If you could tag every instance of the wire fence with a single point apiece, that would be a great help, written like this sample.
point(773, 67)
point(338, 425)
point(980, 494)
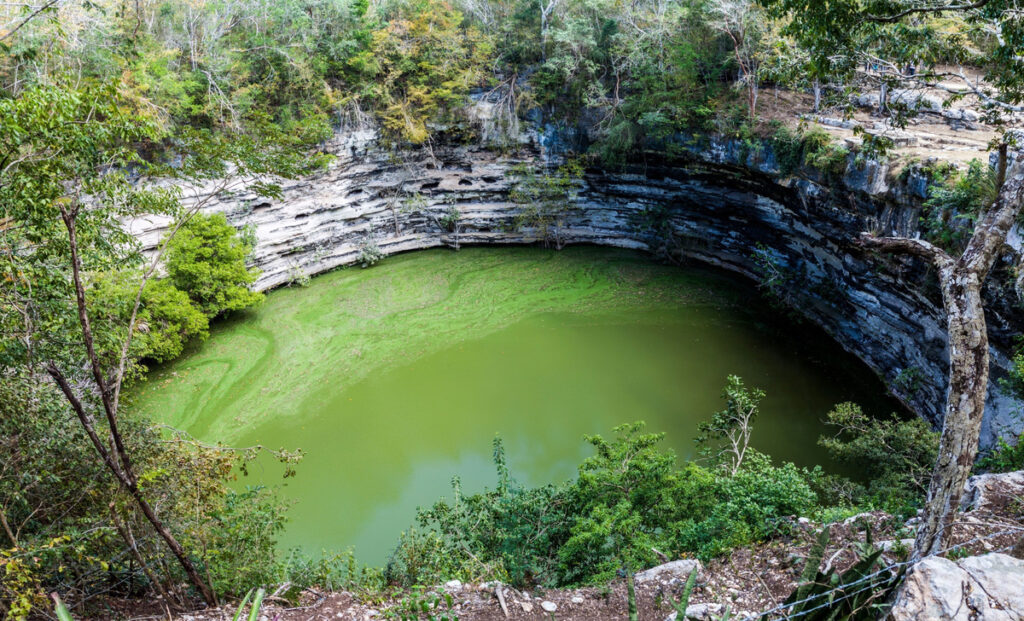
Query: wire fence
point(780, 611)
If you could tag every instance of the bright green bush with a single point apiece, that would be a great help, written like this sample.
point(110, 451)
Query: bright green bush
point(206, 260)
point(170, 319)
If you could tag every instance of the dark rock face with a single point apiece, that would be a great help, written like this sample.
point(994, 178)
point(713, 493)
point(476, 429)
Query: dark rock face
point(715, 205)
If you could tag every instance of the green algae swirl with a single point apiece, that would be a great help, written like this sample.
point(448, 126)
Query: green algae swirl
point(395, 378)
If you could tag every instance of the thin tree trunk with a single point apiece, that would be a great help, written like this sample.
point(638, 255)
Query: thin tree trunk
point(119, 462)
point(132, 488)
point(965, 407)
point(7, 527)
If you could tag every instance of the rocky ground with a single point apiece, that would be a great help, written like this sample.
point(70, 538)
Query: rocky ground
point(981, 578)
point(955, 132)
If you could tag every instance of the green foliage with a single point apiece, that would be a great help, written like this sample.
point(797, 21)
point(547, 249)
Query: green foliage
point(73, 169)
point(896, 456)
point(424, 557)
point(781, 283)
point(418, 68)
point(338, 571)
point(546, 199)
point(725, 437)
point(908, 381)
point(1005, 457)
point(170, 319)
point(370, 254)
point(1014, 382)
point(419, 604)
point(628, 499)
point(908, 33)
point(241, 540)
point(814, 148)
point(954, 202)
point(206, 260)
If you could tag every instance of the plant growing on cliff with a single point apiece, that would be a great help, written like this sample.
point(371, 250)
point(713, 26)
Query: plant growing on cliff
point(370, 253)
point(1006, 456)
point(546, 199)
point(954, 202)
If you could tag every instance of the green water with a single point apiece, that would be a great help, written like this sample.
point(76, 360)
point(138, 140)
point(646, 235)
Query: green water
point(395, 378)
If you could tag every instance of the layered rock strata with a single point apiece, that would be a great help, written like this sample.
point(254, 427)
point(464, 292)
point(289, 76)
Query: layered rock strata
point(717, 204)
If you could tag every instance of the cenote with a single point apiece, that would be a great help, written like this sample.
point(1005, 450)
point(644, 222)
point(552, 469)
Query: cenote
point(396, 378)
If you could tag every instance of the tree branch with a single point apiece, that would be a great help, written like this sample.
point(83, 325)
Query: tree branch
point(889, 19)
point(906, 245)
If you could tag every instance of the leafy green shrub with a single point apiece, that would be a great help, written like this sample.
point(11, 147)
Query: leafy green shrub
point(338, 571)
point(628, 500)
point(370, 254)
point(896, 456)
point(813, 147)
point(955, 200)
point(424, 558)
point(206, 260)
point(241, 541)
point(170, 319)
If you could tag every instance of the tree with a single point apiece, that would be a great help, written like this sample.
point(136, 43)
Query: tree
point(206, 259)
point(733, 425)
point(70, 174)
point(419, 67)
point(742, 23)
point(961, 280)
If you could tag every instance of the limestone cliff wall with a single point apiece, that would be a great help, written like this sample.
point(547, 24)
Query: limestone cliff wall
point(717, 205)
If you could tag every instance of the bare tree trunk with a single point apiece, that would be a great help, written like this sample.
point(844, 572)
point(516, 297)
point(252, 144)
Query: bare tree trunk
point(961, 281)
point(117, 459)
point(817, 95)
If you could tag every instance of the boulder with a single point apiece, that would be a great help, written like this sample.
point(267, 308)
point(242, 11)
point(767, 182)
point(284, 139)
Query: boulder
point(990, 492)
point(703, 612)
point(979, 588)
point(675, 570)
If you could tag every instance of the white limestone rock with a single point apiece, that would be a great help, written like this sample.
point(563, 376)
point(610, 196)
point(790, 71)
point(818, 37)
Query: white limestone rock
point(675, 570)
point(979, 588)
point(985, 490)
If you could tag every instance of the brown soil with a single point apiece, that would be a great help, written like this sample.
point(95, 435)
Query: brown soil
point(748, 581)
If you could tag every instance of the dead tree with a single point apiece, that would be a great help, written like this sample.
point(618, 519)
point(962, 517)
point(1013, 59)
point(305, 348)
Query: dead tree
point(961, 281)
